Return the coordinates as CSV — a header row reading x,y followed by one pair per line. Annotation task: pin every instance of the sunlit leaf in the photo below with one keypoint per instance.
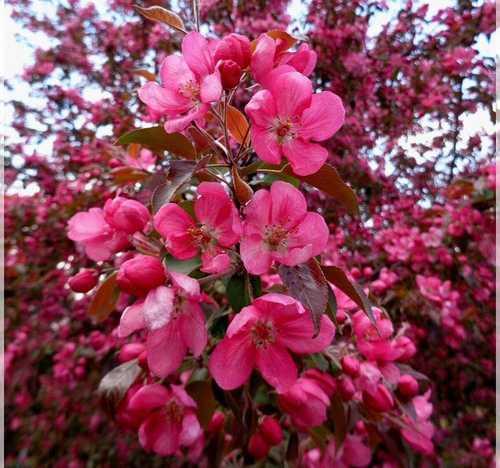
x,y
162,15
128,175
237,124
104,300
145,74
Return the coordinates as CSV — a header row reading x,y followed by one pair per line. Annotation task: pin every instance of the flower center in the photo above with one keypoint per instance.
x,y
285,130
173,411
200,235
263,334
275,237
190,90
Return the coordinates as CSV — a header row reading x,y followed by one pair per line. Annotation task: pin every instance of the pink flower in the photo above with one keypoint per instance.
x,y
278,227
126,215
98,238
307,400
218,228
140,274
170,421
418,433
270,53
232,56
145,160
84,280
190,83
287,118
261,336
175,322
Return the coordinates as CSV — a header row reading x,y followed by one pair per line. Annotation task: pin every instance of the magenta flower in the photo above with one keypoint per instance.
x,y
218,228
278,227
170,420
126,215
261,336
99,239
174,320
287,119
190,83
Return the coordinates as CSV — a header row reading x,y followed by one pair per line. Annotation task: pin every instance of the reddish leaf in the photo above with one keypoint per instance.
x,y
237,124
276,34
339,418
156,139
327,179
127,175
307,284
242,190
115,383
162,15
337,277
104,300
201,392
145,74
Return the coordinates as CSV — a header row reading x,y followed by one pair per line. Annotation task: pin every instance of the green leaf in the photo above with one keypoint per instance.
x,y
104,300
182,266
307,284
237,292
156,139
337,277
115,383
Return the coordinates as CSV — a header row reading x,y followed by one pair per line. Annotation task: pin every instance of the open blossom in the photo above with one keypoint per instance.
x,y
287,120
308,399
270,53
174,320
418,433
261,336
278,227
189,83
99,239
218,228
170,420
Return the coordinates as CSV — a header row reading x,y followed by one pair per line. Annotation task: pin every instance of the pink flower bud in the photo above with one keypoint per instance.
x,y
257,446
378,399
271,431
234,47
140,274
408,386
346,388
350,365
84,280
130,351
407,347
126,215
217,422
230,73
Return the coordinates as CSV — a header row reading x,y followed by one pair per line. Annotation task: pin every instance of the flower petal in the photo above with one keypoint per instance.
x,y
132,319
211,88
162,100
292,94
256,258
306,158
193,329
323,118
261,109
262,61
312,231
296,333
148,398
288,205
179,124
160,434
191,430
165,349
175,72
265,145
232,361
158,307
196,52
277,367
188,285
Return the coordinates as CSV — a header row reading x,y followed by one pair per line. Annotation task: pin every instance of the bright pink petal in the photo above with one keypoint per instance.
x,y
296,333
258,211
232,361
243,319
182,397
256,257
211,88
161,99
292,94
355,452
148,398
294,256
88,225
303,60
188,285
288,205
262,61
215,263
323,118
160,434
276,366
132,319
158,307
193,329
261,109
166,350
312,231
98,250
265,145
197,54
175,72
191,430
179,124
305,158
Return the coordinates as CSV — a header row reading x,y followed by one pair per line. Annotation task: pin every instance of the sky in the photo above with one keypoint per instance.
x,y
16,55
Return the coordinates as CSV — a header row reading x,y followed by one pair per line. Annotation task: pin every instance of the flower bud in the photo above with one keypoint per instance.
x,y
126,215
406,346
217,422
350,365
257,446
230,73
84,280
271,431
140,274
346,388
130,351
379,399
407,386
234,47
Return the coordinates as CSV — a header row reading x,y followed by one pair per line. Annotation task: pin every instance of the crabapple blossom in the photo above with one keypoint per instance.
x,y
218,228
126,215
84,280
288,119
261,336
278,227
232,56
189,83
